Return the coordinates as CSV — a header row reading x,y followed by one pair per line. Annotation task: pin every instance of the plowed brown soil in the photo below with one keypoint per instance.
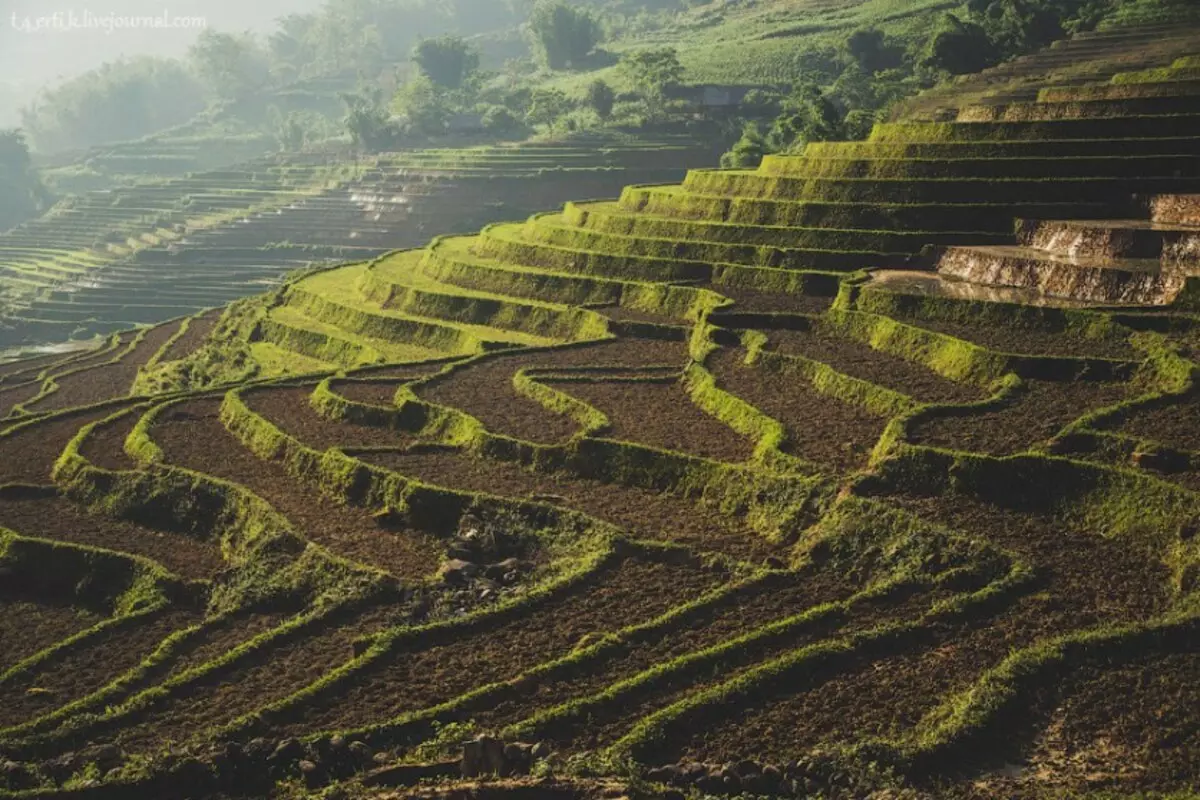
x,y
13,396
718,622
105,445
431,670
484,389
661,415
820,428
28,455
41,513
268,675
83,670
1035,415
865,362
646,514
28,368
198,330
109,381
1176,425
1028,341
28,627
289,409
376,393
748,300
192,436
1122,729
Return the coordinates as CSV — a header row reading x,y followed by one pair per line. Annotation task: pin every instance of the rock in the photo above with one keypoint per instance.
x,y
457,571
732,782
541,750
233,752
501,570
337,743
258,748
710,784
483,756
460,552
361,752
311,774
692,771
409,774
288,751
518,756
774,562
105,756
16,776
667,774
673,794
744,769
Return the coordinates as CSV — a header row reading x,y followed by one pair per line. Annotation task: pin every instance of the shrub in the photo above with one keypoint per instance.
x,y
601,98
562,36
958,47
446,60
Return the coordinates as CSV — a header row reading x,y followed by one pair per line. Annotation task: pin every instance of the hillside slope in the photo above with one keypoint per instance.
x,y
871,472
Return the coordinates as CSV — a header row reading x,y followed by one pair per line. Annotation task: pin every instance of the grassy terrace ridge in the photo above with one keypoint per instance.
x,y
870,472
230,233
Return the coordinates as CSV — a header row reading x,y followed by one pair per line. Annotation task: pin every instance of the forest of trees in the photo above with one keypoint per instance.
x,y
425,47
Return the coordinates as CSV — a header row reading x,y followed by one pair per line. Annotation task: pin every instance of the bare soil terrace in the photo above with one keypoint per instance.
x,y
192,436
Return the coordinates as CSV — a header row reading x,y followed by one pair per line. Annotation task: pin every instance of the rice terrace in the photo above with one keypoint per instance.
x,y
488,440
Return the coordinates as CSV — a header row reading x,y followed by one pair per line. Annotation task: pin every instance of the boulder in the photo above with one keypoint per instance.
x,y
483,756
457,571
287,752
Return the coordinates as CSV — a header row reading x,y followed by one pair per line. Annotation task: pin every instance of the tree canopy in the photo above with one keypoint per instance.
x,y
562,35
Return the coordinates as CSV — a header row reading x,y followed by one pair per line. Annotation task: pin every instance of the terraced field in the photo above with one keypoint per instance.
x,y
872,472
110,259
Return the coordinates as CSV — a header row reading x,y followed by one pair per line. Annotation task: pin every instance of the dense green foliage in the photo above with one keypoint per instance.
x,y
562,35
120,100
22,194
446,60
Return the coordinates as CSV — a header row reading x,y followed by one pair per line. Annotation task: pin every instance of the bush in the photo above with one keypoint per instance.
x,y
959,47
446,60
22,194
653,73
117,101
870,50
748,151
563,36
500,121
601,98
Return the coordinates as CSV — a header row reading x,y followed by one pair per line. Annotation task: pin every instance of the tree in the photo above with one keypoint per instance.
x,y
369,125
546,106
749,150
653,73
808,116
423,106
124,99
233,67
22,195
500,121
601,98
446,60
958,47
869,49
562,36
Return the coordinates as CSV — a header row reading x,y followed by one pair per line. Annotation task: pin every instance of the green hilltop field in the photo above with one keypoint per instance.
x,y
869,472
